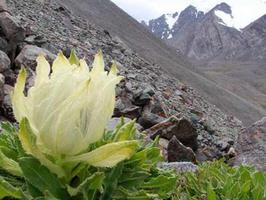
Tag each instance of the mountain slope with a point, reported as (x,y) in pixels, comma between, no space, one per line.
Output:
(107,15)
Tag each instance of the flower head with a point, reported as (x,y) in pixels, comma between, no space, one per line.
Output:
(68,107)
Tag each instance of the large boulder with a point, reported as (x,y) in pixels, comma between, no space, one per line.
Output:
(251,146)
(3,6)
(4,61)
(152,114)
(181,128)
(28,55)
(11,28)
(177,152)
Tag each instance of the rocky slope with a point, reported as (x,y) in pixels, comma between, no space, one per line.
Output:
(159,102)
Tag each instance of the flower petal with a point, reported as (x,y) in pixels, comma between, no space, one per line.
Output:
(42,71)
(18,97)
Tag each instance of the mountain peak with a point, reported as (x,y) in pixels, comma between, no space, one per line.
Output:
(224,7)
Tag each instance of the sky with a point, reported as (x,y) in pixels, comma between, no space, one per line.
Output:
(244,11)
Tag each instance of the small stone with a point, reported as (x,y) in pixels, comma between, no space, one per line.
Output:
(3,45)
(4,61)
(148,119)
(163,143)
(6,108)
(143,97)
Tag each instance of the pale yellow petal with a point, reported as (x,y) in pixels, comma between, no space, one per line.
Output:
(98,63)
(42,71)
(18,97)
(61,63)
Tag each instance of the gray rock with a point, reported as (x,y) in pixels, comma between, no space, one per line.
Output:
(208,153)
(124,107)
(10,76)
(4,61)
(2,82)
(3,45)
(177,152)
(251,146)
(181,128)
(6,108)
(179,167)
(143,97)
(148,119)
(28,55)
(3,6)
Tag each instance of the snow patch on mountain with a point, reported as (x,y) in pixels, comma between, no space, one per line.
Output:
(226,19)
(171,19)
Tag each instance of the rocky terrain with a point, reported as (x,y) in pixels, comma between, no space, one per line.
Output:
(233,58)
(191,129)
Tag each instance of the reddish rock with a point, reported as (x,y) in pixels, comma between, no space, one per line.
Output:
(177,152)
(182,129)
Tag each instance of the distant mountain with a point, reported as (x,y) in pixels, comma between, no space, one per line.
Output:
(234,58)
(212,35)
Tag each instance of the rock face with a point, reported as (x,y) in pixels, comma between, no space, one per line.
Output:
(251,146)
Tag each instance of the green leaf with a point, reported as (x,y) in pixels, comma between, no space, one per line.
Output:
(162,185)
(125,132)
(210,193)
(246,187)
(39,176)
(9,165)
(111,181)
(94,182)
(7,190)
